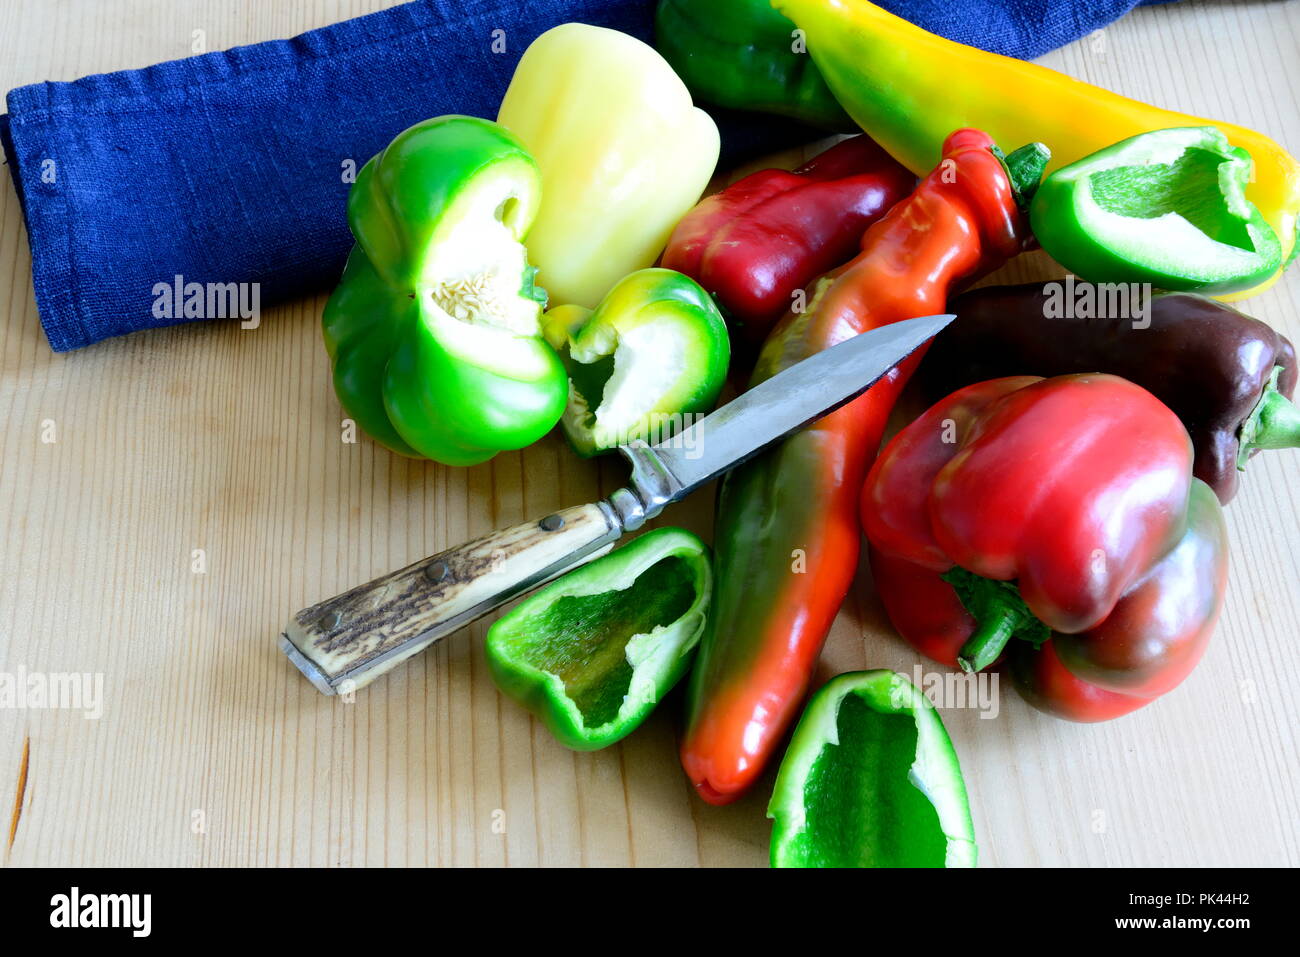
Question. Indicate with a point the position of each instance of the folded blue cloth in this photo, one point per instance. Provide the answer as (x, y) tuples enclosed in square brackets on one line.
[(229, 167)]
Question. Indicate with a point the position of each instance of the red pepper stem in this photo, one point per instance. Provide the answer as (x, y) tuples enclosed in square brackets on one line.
[(986, 643), (1273, 424)]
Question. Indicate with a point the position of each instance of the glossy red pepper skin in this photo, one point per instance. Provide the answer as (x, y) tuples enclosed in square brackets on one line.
[(786, 533), (773, 232), (1080, 489)]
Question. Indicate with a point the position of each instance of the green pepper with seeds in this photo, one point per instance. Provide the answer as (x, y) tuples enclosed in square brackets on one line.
[(434, 331)]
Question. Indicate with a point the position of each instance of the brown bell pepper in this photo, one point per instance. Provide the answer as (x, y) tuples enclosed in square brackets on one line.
[(1228, 376)]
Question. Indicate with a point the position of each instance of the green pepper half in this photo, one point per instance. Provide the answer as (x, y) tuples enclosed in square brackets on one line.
[(870, 779), (1167, 207), (745, 55), (592, 653), (434, 331), (650, 356)]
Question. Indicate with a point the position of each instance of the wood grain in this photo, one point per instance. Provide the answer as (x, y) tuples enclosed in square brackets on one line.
[(212, 749), (345, 642)]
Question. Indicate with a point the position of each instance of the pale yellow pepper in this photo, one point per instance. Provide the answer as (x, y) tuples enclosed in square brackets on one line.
[(623, 153)]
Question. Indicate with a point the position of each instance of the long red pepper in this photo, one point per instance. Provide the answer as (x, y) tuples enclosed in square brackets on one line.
[(786, 534)]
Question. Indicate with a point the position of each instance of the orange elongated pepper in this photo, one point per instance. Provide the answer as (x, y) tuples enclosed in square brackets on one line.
[(786, 534)]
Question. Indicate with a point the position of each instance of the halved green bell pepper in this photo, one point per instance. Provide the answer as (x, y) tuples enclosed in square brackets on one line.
[(870, 779), (592, 653), (650, 356), (434, 331), (1167, 207)]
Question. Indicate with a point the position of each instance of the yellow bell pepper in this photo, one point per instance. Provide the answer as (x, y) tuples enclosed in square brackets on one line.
[(908, 89), (623, 154)]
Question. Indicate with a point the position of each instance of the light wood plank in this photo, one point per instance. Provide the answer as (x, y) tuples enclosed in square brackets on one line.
[(212, 437)]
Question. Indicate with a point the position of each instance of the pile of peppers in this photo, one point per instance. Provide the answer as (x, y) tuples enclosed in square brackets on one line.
[(435, 332), (1057, 511), (800, 499)]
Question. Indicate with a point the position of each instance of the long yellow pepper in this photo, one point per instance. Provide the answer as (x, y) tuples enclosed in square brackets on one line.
[(623, 153), (909, 89)]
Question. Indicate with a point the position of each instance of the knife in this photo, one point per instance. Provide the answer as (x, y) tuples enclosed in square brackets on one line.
[(346, 642)]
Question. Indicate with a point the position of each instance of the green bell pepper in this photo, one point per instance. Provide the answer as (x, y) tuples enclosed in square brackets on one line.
[(742, 54), (592, 653), (434, 331), (870, 779), (1167, 207), (650, 356)]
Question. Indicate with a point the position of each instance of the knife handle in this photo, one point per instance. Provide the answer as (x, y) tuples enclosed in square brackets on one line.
[(345, 642)]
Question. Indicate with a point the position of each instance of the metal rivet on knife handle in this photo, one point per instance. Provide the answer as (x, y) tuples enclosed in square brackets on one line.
[(552, 523)]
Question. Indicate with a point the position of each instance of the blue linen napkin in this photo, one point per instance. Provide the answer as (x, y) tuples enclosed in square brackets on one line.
[(230, 167)]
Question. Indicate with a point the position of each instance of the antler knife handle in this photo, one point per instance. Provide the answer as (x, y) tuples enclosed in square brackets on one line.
[(346, 642)]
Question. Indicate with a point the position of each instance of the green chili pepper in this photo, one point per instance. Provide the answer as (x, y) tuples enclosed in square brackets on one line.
[(744, 55), (434, 331), (870, 779), (592, 653), (651, 355), (1167, 207)]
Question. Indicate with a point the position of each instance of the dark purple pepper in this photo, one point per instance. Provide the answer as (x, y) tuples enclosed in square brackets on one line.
[(1218, 369)]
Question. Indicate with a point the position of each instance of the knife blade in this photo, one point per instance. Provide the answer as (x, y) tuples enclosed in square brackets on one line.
[(789, 400), (345, 642)]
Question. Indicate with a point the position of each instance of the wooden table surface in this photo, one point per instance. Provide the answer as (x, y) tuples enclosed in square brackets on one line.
[(211, 749)]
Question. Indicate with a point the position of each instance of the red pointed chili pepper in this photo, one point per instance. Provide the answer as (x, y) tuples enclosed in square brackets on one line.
[(786, 534)]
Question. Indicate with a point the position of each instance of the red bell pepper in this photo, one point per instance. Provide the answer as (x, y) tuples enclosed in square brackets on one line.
[(1062, 511), (786, 530), (767, 235)]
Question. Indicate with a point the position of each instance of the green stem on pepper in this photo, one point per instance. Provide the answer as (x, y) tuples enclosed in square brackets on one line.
[(1025, 167), (1274, 423), (987, 642), (1000, 614)]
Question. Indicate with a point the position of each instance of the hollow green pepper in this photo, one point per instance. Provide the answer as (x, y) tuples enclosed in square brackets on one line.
[(744, 55), (653, 354), (434, 331), (1167, 207), (870, 779), (592, 653)]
